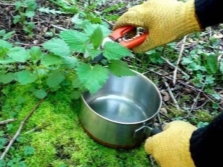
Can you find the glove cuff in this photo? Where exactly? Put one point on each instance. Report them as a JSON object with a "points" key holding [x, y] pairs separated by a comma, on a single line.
{"points": [[207, 143], [187, 19], [209, 12]]}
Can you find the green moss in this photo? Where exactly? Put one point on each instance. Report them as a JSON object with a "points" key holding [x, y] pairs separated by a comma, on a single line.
{"points": [[57, 137]]}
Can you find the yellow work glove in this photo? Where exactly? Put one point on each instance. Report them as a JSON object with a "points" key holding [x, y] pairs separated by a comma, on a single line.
{"points": [[165, 20], [171, 148]]}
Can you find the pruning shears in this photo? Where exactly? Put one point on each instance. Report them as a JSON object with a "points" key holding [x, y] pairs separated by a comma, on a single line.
{"points": [[120, 35]]}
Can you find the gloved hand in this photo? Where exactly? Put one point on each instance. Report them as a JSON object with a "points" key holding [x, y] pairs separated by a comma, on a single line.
{"points": [[165, 20], [183, 145], [170, 148]]}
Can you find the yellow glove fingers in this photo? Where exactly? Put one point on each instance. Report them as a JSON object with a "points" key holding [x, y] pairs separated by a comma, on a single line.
{"points": [[170, 148]]}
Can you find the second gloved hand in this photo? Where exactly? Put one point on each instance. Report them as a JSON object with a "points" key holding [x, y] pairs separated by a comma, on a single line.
{"points": [[165, 20]]}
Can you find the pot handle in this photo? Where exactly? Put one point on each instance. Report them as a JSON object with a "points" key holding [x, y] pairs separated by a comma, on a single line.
{"points": [[147, 130]]}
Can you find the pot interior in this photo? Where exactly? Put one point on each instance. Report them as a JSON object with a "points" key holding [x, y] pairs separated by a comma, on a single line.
{"points": [[128, 99]]}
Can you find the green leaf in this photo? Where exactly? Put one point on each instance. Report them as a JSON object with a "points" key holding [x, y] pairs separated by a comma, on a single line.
{"points": [[51, 59], [115, 51], [76, 40], [5, 45], [89, 29], [55, 78], [76, 83], [187, 60], [92, 53], [19, 54], [40, 93], [57, 46], [92, 77], [6, 78], [209, 80], [70, 62], [120, 68], [16, 19], [29, 14], [50, 11], [28, 150], [8, 35], [96, 38], [25, 77], [35, 53], [212, 63]]}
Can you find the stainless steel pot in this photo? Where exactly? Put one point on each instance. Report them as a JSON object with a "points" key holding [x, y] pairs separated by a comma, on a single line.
{"points": [[122, 112]]}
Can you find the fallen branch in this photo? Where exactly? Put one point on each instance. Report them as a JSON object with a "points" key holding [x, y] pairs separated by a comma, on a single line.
{"points": [[178, 61], [7, 121], [20, 129]]}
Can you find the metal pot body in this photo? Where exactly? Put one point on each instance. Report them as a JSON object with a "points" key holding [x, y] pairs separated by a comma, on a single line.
{"points": [[122, 111]]}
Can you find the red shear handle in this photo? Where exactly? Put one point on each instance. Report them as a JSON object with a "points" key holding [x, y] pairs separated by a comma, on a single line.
{"points": [[131, 43]]}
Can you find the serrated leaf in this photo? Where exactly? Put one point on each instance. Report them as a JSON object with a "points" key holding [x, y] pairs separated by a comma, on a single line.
{"points": [[25, 77], [209, 79], [6, 78], [35, 53], [57, 46], [8, 35], [19, 54], [29, 14], [92, 77], [96, 37], [120, 68], [92, 53], [51, 59], [76, 40], [114, 51], [89, 28], [55, 78], [28, 150], [70, 62], [76, 83], [16, 19], [5, 45], [47, 10], [212, 63], [187, 60], [40, 93]]}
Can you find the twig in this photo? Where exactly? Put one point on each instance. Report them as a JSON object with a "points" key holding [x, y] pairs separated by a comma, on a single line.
{"points": [[171, 94], [178, 61], [20, 129], [58, 27], [152, 161], [195, 102], [7, 121], [172, 65], [6, 4]]}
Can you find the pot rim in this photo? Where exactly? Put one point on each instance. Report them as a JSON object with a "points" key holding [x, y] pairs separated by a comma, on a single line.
{"points": [[129, 123]]}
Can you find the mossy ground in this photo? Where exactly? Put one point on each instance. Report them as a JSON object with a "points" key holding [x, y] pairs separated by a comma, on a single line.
{"points": [[56, 135]]}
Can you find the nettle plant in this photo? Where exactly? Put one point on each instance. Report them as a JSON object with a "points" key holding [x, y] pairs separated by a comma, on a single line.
{"points": [[65, 60], [25, 11]]}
